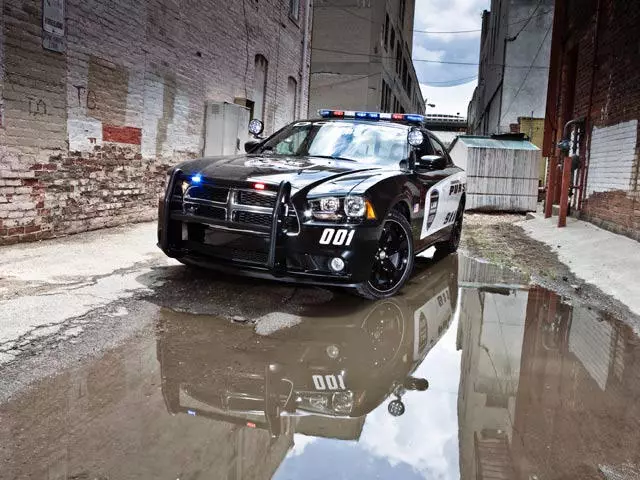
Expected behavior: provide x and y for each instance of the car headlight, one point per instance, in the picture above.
(335, 208)
(343, 402)
(315, 402)
(330, 204)
(326, 208)
(338, 403)
(355, 206)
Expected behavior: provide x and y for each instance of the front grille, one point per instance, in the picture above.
(214, 213)
(251, 218)
(235, 207)
(250, 256)
(208, 193)
(255, 199)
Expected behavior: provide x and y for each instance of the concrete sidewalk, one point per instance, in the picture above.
(610, 262)
(44, 285)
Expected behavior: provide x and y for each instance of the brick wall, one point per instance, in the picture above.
(87, 135)
(610, 69)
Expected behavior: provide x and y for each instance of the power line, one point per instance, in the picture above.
(526, 75)
(453, 81)
(362, 77)
(517, 22)
(444, 62)
(429, 32)
(515, 37)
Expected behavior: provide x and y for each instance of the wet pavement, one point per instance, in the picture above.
(470, 373)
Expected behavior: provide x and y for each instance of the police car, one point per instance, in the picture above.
(347, 199)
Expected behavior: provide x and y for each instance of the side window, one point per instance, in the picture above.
(426, 148)
(437, 147)
(290, 144)
(440, 150)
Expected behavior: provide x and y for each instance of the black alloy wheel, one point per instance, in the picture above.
(393, 261)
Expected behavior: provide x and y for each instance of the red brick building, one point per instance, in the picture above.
(98, 98)
(595, 78)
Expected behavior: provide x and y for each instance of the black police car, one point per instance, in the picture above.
(348, 199)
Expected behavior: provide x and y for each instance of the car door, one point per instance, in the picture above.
(442, 190)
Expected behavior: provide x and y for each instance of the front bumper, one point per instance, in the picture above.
(270, 252)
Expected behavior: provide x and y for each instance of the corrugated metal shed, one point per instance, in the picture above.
(502, 172)
(490, 142)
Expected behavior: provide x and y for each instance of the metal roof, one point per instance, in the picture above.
(473, 141)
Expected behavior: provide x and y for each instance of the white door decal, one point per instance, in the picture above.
(441, 203)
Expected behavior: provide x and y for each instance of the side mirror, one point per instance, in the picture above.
(251, 145)
(256, 127)
(431, 162)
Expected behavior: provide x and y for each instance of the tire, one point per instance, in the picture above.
(451, 245)
(394, 260)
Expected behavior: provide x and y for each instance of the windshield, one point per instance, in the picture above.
(364, 142)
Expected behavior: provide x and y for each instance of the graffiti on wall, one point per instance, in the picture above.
(86, 98)
(37, 106)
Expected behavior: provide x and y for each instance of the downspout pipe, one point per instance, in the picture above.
(565, 146)
(306, 72)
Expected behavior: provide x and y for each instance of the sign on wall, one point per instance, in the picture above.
(53, 16)
(53, 25)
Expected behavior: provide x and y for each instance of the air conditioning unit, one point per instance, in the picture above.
(226, 128)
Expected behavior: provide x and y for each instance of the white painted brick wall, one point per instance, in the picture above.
(140, 71)
(613, 154)
(185, 53)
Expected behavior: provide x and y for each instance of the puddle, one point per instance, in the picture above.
(470, 373)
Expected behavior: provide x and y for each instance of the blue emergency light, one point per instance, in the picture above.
(410, 117)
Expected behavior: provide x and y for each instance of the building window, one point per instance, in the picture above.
(386, 31)
(399, 58)
(393, 38)
(294, 9)
(292, 99)
(405, 76)
(259, 86)
(403, 9)
(385, 105)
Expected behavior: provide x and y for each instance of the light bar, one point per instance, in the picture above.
(399, 117)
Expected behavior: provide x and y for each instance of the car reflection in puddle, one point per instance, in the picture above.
(319, 378)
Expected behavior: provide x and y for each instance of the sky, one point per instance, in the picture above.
(449, 87)
(420, 444)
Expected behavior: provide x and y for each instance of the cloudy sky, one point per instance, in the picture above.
(449, 87)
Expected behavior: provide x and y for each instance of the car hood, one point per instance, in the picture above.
(301, 172)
